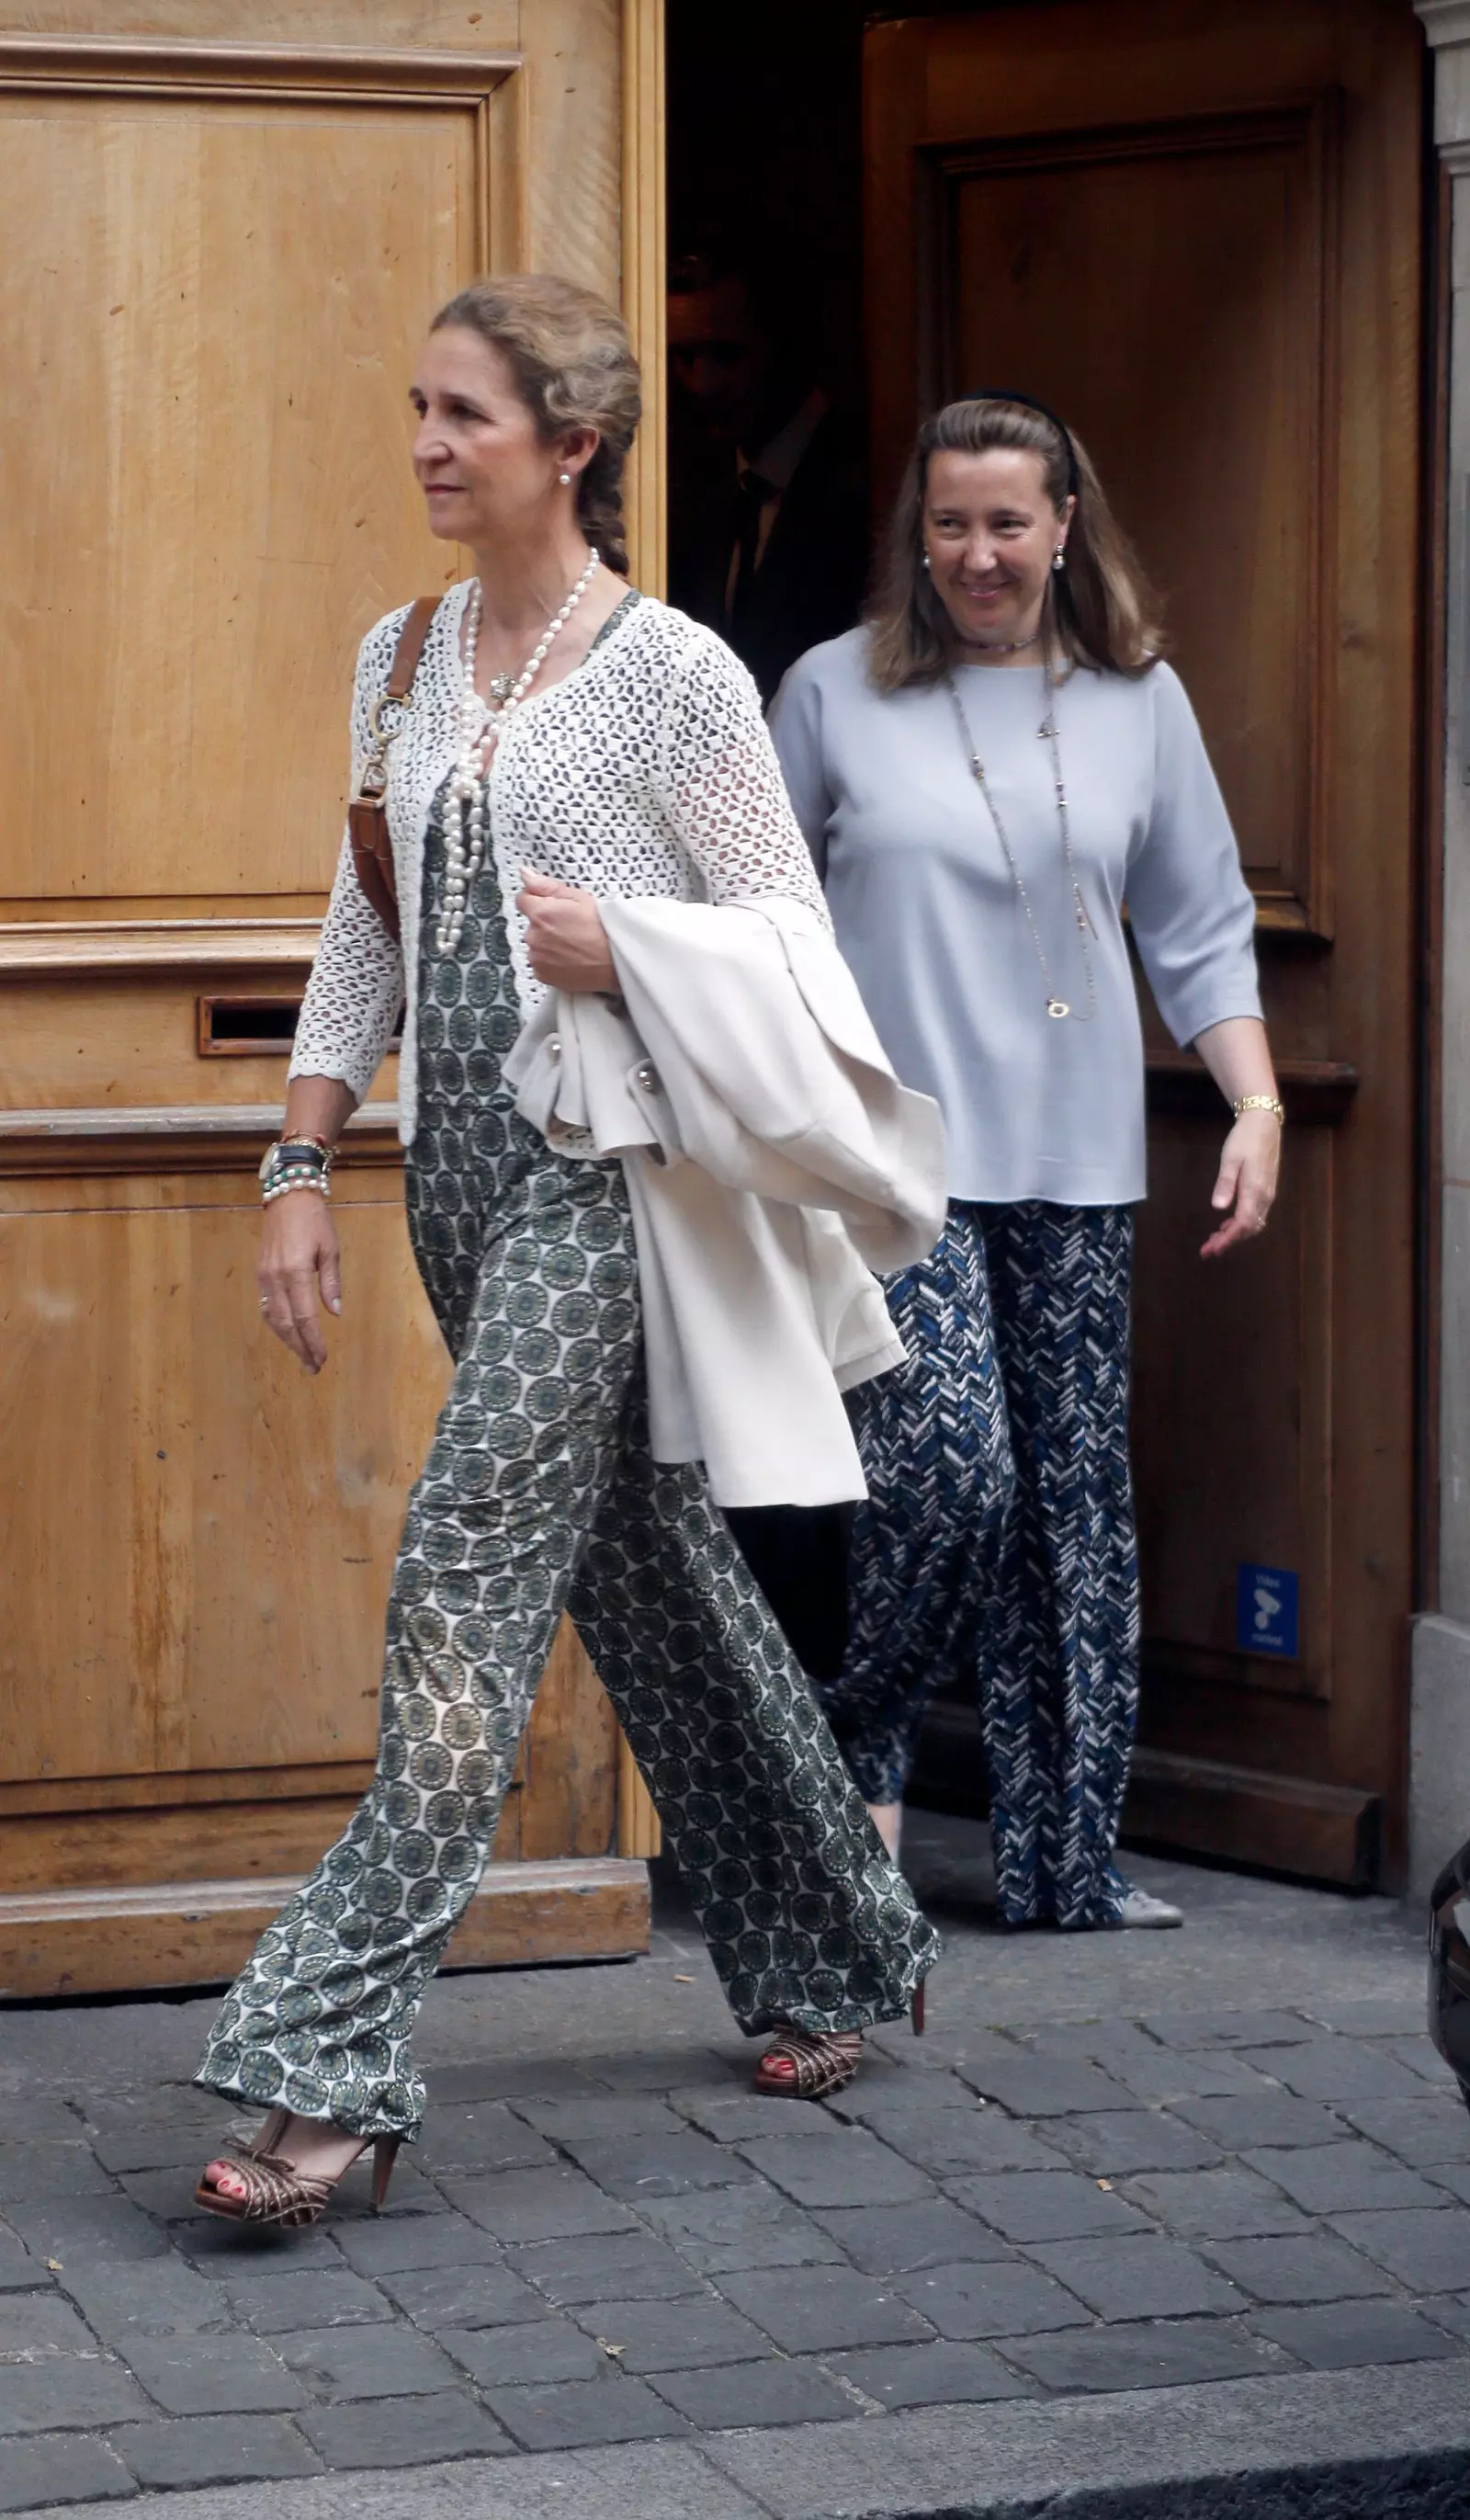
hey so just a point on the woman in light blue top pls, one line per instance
(985, 773)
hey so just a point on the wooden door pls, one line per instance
(1196, 232)
(226, 227)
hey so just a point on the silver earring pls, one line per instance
(1059, 557)
(565, 480)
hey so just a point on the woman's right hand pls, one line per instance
(298, 1248)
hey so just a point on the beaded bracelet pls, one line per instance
(295, 1163)
(294, 1178)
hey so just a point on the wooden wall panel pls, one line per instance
(430, 25)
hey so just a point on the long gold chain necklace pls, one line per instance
(1058, 1007)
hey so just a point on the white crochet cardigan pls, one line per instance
(648, 771)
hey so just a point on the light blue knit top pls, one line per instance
(928, 916)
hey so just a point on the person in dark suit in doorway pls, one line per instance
(769, 545)
(768, 540)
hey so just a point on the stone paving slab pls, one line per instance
(74, 2465)
(766, 2393)
(214, 2449)
(1353, 2333)
(928, 2375)
(895, 2239)
(403, 2432)
(435, 2297)
(650, 2336)
(1153, 2354)
(1114, 2143)
(606, 2239)
(1049, 2205)
(277, 2304)
(552, 2349)
(1217, 2204)
(571, 2414)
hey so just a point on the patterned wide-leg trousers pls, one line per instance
(997, 1547)
(539, 1494)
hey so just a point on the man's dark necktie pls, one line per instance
(752, 491)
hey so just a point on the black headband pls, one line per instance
(992, 393)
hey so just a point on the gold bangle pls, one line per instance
(1261, 1102)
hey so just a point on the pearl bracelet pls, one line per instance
(294, 1177)
(295, 1163)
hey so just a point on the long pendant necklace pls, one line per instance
(481, 726)
(1058, 1007)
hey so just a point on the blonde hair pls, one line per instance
(1099, 608)
(569, 354)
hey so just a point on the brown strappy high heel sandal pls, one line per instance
(822, 2061)
(279, 2197)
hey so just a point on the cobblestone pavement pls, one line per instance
(1116, 2164)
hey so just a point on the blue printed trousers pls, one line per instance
(996, 1548)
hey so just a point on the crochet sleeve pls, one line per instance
(723, 790)
(356, 985)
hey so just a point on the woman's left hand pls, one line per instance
(565, 940)
(1243, 1194)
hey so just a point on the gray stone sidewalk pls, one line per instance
(1143, 2171)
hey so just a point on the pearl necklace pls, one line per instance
(481, 726)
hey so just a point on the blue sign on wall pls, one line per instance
(1265, 1609)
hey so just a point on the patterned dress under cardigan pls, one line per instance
(540, 1494)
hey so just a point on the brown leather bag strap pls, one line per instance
(367, 813)
(410, 647)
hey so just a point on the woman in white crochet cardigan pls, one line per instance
(562, 723)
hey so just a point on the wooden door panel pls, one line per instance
(235, 1518)
(226, 229)
(1258, 1467)
(1197, 234)
(1170, 281)
(225, 308)
(87, 1042)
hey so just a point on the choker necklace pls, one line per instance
(1057, 1008)
(481, 725)
(1010, 648)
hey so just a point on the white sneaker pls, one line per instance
(1141, 1907)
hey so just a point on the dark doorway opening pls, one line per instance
(765, 121)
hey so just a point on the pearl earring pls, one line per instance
(927, 560)
(1059, 557)
(565, 480)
